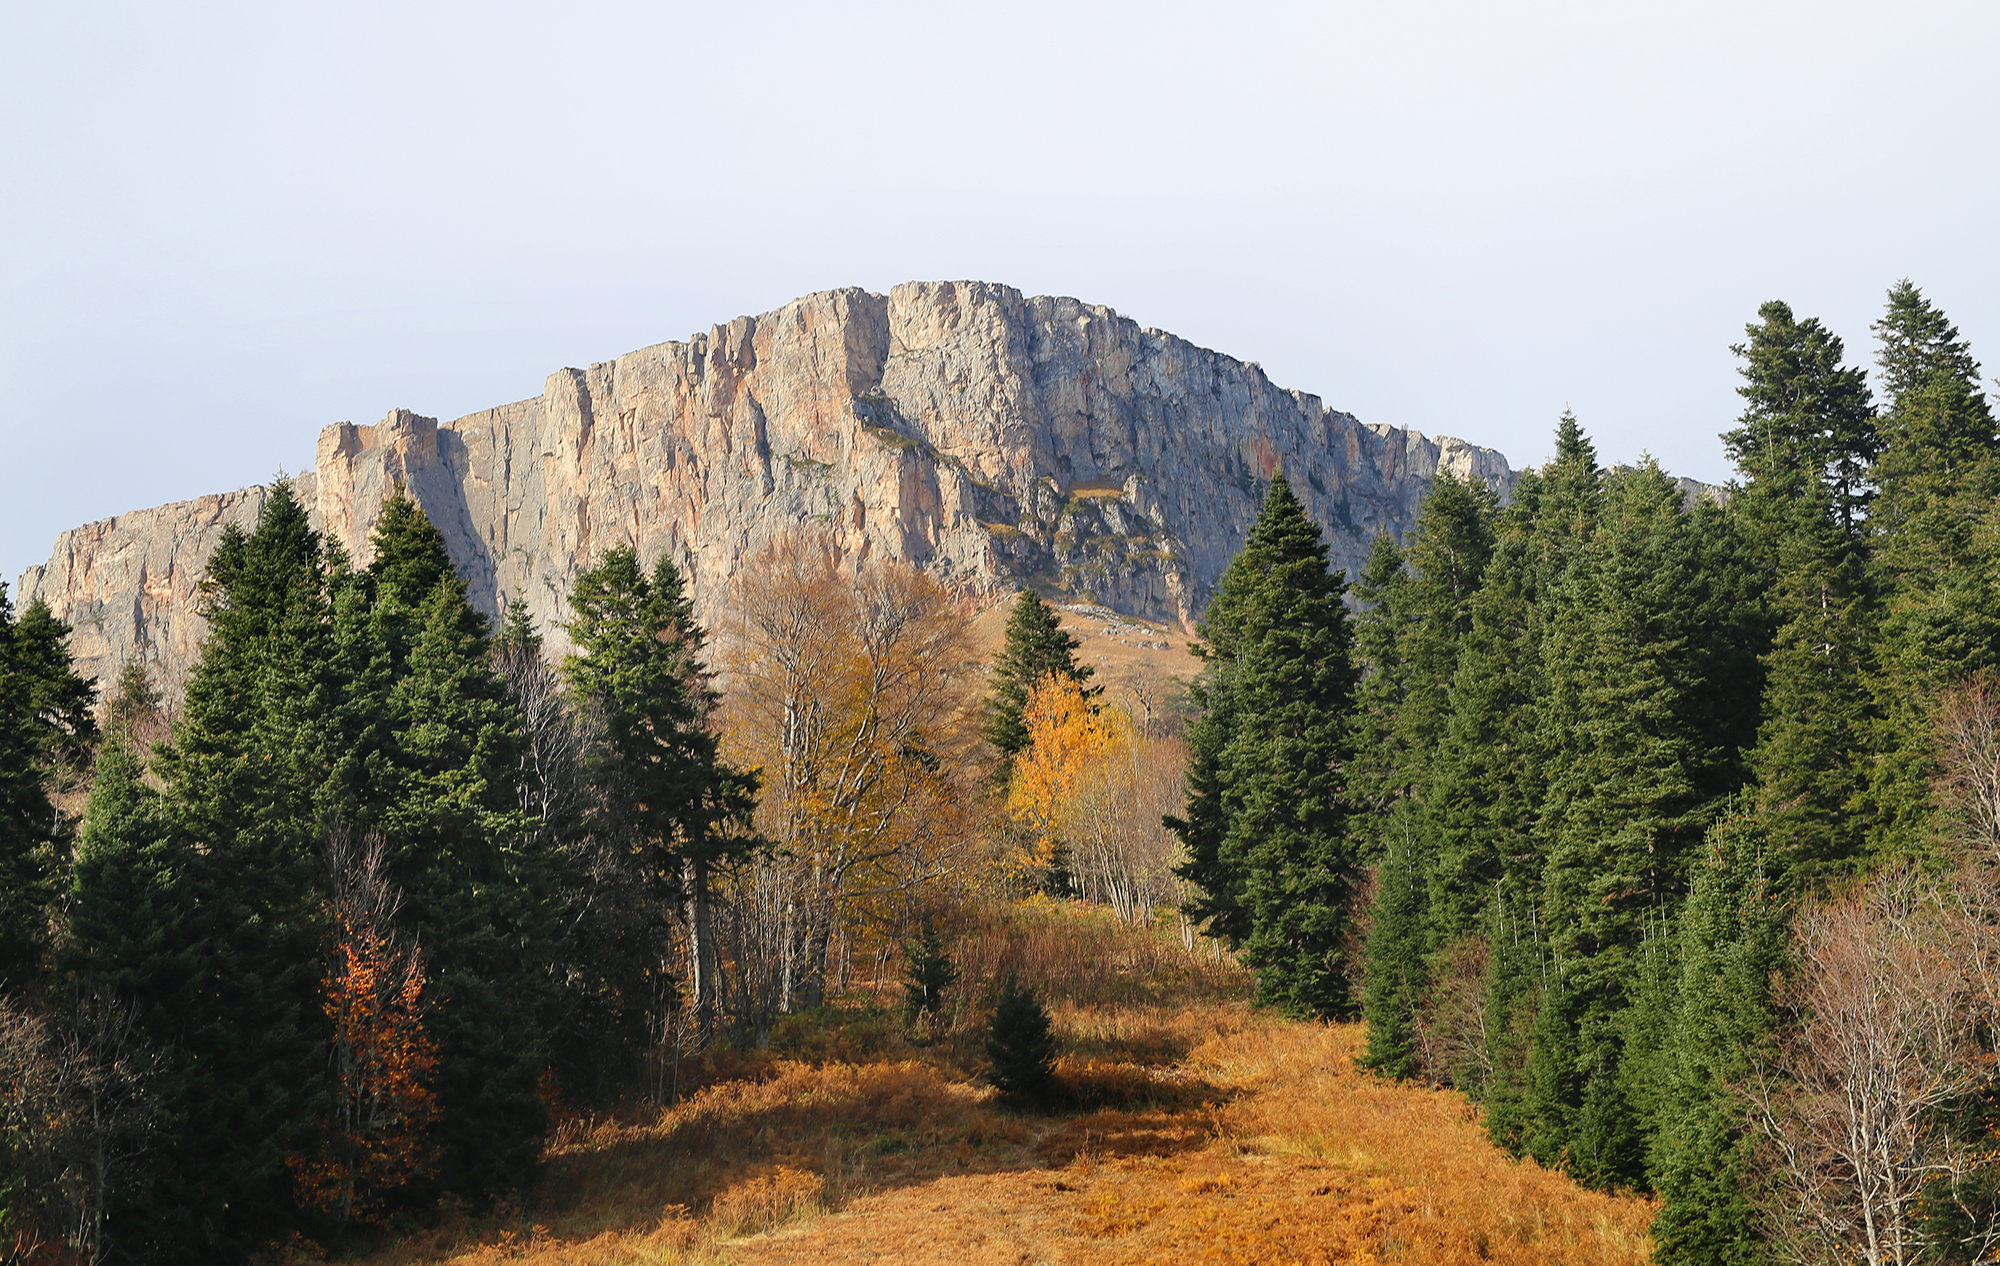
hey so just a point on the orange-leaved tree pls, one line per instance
(378, 1138)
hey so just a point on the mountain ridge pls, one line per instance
(993, 438)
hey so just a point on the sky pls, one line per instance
(224, 226)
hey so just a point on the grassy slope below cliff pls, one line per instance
(1202, 1131)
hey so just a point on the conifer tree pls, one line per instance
(1515, 973)
(1812, 742)
(1482, 788)
(1939, 474)
(1380, 627)
(1732, 937)
(47, 731)
(1448, 555)
(1396, 977)
(27, 822)
(929, 971)
(1619, 812)
(1035, 647)
(687, 813)
(1807, 420)
(1416, 609)
(1216, 899)
(1938, 441)
(1021, 1043)
(1647, 1034)
(476, 891)
(198, 910)
(1278, 653)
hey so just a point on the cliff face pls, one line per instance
(991, 438)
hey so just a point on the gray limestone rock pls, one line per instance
(994, 439)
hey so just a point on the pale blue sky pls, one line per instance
(224, 226)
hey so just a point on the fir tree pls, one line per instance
(1414, 621)
(1035, 647)
(1483, 784)
(1448, 555)
(1938, 441)
(1396, 976)
(1619, 813)
(1021, 1044)
(476, 890)
(1807, 420)
(1216, 899)
(198, 910)
(1935, 552)
(1278, 654)
(1515, 971)
(47, 731)
(410, 555)
(1732, 938)
(1812, 742)
(929, 971)
(685, 811)
(134, 713)
(27, 823)
(1380, 630)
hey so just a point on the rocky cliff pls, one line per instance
(994, 439)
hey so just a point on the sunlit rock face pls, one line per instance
(994, 439)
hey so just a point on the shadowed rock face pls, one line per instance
(993, 439)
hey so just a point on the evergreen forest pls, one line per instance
(1662, 828)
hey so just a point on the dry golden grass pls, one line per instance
(1199, 1131)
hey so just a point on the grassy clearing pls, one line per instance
(1198, 1131)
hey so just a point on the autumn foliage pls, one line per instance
(851, 692)
(1071, 739)
(376, 1141)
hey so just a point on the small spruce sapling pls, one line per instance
(1022, 1047)
(928, 972)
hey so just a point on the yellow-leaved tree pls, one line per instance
(850, 691)
(1089, 793)
(1070, 740)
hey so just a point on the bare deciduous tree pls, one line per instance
(76, 1114)
(1121, 849)
(1891, 1028)
(1965, 723)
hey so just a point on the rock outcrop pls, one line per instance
(991, 438)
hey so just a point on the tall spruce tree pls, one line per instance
(1396, 976)
(1619, 813)
(47, 731)
(1732, 939)
(1805, 446)
(476, 890)
(1483, 784)
(198, 910)
(1278, 650)
(685, 812)
(1812, 743)
(1935, 552)
(1517, 968)
(1808, 419)
(1380, 624)
(27, 823)
(1448, 555)
(1211, 803)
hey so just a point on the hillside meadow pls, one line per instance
(1197, 1130)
